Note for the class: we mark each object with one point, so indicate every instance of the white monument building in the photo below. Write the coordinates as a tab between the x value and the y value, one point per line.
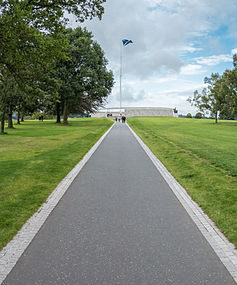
136	112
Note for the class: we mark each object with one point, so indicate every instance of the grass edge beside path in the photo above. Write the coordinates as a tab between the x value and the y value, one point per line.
212	187
34	158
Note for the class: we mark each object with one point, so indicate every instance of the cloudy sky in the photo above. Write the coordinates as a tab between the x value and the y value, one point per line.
176	44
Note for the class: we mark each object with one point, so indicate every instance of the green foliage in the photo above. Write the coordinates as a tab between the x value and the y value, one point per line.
208	100
202	156
32	43
189	115
228	93
220	95
198	115
85	80
34	158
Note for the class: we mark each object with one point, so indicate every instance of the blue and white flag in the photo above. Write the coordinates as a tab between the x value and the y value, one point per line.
126	42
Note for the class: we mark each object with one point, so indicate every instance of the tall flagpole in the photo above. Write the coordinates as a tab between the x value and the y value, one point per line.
121	61
123	42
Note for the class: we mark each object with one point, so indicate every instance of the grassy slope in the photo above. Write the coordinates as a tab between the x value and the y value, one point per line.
202	156
34	158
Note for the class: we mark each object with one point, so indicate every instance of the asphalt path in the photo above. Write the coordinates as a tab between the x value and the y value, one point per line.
119	223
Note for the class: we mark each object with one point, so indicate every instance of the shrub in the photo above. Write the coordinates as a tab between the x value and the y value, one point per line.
198	115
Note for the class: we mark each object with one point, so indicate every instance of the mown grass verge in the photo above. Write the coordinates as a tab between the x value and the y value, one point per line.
202	156
34	158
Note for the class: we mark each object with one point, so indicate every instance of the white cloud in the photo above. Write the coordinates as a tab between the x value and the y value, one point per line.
214	59
131	95
185	90
165	79
191	69
166	36
234	51
159	34
190	49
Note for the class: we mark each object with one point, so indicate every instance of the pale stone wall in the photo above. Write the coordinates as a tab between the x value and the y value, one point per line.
137	112
149	112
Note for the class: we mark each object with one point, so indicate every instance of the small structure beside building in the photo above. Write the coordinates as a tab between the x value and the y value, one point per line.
136	112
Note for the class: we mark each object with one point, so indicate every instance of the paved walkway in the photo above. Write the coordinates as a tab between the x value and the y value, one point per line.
119	223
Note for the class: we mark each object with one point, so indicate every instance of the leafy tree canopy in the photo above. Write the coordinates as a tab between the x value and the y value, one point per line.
219	96
86	82
32	41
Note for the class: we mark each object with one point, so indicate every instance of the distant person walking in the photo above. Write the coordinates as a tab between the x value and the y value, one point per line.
123	119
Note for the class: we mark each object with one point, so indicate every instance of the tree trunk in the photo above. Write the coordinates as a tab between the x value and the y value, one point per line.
22	118
216	118
18	118
10	122
3	123
58	113
65	112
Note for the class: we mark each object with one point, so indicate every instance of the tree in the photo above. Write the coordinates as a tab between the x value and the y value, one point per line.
30	38
189	115
198	115
209	100
85	80
26	55
220	95
228	92
24	23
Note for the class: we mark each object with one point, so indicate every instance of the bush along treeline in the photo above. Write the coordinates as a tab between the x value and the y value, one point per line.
219	98
45	67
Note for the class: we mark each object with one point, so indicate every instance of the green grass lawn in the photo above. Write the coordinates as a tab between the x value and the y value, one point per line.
34	158
202	156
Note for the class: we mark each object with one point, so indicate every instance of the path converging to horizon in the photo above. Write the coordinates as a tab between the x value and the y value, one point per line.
119	223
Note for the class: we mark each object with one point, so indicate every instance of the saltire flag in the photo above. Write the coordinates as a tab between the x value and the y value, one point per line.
126	42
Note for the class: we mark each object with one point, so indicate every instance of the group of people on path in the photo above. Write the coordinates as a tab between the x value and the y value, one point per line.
123	118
